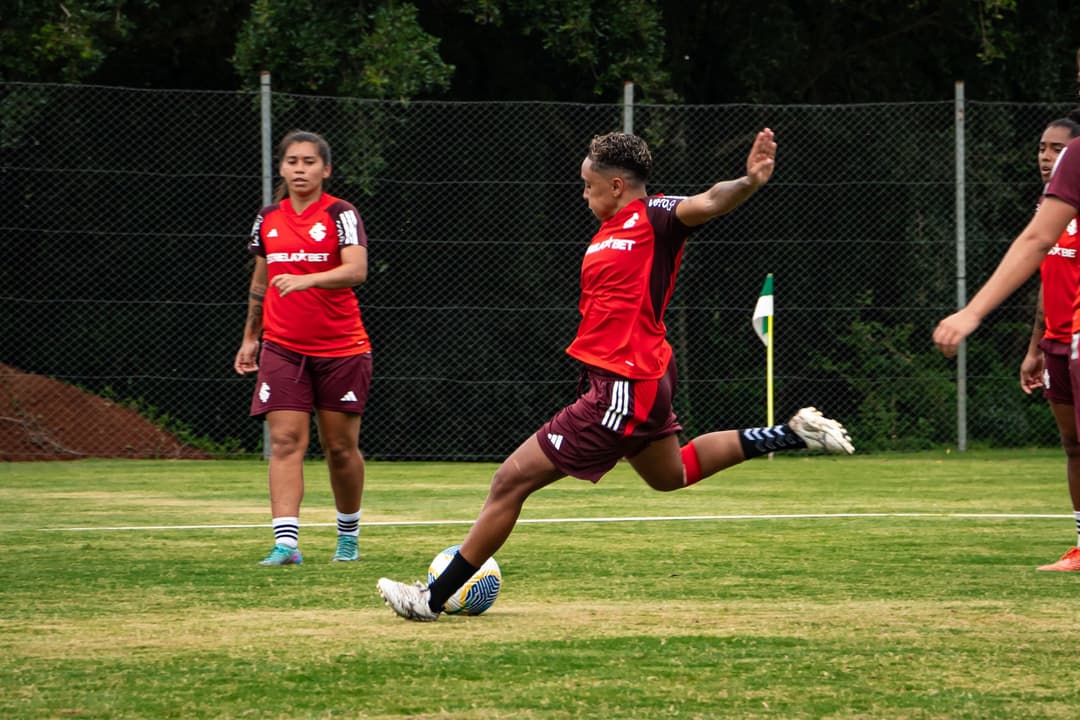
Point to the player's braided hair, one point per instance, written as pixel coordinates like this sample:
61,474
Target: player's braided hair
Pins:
620,150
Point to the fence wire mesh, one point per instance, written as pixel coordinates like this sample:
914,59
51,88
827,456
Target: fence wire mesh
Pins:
126,271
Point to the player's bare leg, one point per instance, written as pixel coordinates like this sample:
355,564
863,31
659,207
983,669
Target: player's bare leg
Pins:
665,466
523,473
289,436
661,465
339,434
526,470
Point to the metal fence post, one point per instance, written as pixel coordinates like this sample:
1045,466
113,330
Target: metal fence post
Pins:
961,268
628,107
267,186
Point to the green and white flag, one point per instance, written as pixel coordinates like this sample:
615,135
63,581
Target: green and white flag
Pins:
763,311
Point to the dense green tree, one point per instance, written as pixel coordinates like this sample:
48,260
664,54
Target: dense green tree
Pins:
68,42
599,44
784,51
697,51
373,50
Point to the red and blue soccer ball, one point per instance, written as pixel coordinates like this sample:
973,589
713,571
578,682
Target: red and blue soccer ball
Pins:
476,595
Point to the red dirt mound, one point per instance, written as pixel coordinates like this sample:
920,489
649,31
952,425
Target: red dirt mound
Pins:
44,419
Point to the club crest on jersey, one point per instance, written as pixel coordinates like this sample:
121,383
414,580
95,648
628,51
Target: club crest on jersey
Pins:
1071,227
317,232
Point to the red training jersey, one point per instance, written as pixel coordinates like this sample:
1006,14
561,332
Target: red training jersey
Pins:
317,321
1065,186
627,278
1060,273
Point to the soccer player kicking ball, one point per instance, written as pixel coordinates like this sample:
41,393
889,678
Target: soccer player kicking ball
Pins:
627,278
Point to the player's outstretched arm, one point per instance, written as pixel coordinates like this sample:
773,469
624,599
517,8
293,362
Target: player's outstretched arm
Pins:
1019,263
723,197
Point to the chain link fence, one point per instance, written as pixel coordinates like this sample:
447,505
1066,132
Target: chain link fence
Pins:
125,267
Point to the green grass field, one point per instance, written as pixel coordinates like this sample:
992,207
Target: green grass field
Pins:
890,586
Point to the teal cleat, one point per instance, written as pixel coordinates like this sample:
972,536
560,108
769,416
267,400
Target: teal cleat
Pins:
347,550
283,555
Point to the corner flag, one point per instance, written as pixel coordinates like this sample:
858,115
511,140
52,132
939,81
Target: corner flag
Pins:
763,311
763,326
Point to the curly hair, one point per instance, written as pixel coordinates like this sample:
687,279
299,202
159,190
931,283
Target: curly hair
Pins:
622,151
1071,122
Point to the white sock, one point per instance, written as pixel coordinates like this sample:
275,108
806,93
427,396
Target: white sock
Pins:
1076,514
349,523
286,531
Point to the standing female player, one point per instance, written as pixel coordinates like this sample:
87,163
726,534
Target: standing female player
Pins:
1046,364
627,277
310,250
1057,212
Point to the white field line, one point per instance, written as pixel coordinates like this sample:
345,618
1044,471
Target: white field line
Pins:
547,521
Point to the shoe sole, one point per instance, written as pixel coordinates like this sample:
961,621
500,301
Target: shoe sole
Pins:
294,560
1054,568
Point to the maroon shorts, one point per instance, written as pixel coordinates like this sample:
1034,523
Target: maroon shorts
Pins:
1057,386
615,418
289,380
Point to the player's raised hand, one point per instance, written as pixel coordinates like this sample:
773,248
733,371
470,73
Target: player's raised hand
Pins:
762,158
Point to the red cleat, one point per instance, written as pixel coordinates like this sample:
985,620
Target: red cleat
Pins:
1069,562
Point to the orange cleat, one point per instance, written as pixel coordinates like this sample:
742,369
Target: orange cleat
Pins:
1069,562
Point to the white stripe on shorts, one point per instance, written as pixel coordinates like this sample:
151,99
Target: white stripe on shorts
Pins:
620,406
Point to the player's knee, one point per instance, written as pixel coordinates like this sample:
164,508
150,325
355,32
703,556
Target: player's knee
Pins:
284,444
1071,445
340,453
507,484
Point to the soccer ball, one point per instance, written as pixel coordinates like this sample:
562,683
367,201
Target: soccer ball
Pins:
476,595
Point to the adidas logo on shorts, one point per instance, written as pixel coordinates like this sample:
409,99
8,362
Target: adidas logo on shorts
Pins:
556,440
349,397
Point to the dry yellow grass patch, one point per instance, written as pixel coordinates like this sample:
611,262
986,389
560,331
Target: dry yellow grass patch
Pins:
197,631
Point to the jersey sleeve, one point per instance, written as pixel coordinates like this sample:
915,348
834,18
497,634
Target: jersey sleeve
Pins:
1065,183
670,230
350,227
255,241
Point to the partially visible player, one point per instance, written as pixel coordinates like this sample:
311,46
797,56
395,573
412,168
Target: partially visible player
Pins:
627,278
1046,363
310,250
1056,212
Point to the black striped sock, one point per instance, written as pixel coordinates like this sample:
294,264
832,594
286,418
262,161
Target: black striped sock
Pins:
348,523
286,531
760,441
